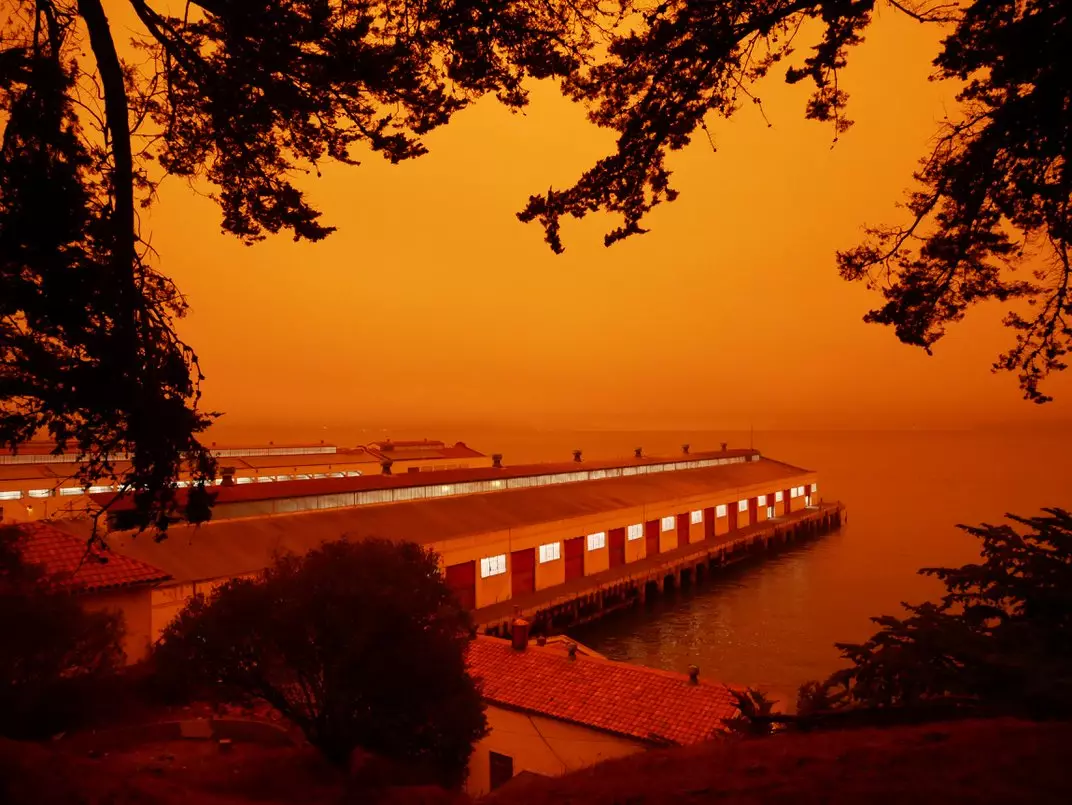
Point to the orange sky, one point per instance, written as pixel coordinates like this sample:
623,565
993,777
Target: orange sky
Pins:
432,302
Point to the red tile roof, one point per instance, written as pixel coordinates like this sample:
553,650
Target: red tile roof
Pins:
64,557
630,700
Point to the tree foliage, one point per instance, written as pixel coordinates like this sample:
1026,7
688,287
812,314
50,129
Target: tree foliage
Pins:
53,654
243,95
360,644
999,640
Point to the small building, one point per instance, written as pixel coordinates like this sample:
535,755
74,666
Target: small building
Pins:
553,709
102,579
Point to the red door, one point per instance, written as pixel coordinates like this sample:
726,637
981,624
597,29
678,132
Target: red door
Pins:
462,581
522,572
617,547
709,523
785,500
733,515
753,511
682,530
574,549
651,537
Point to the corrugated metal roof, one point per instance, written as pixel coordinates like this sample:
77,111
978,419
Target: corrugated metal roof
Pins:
643,703
335,486
245,545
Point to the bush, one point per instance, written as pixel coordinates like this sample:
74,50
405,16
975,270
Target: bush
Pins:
54,656
360,644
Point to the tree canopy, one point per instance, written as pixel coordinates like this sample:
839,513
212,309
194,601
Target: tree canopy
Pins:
360,644
245,94
999,640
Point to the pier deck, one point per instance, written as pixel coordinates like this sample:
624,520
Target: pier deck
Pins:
590,597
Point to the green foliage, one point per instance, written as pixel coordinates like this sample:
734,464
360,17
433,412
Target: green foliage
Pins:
1000,639
755,714
54,655
360,644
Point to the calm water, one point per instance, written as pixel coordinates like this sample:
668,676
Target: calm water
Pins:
774,623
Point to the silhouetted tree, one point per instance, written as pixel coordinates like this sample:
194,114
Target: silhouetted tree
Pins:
1000,639
360,644
754,714
993,195
242,94
54,654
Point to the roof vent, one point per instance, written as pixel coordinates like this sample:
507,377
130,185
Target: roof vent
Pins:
638,452
386,464
685,449
541,641
571,650
576,455
725,446
496,460
694,675
519,634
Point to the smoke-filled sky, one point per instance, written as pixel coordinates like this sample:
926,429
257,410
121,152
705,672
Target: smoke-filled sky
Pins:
433,303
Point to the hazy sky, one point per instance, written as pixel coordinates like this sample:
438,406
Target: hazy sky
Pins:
433,302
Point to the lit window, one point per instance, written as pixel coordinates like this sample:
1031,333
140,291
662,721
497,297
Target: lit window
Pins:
742,505
635,531
13,494
779,497
762,501
550,552
814,488
721,511
668,523
40,493
493,566
794,492
71,490
97,490
696,517
597,540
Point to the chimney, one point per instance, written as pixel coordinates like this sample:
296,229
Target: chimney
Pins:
576,455
519,634
571,650
638,452
685,449
694,675
541,641
496,460
227,476
725,446
386,464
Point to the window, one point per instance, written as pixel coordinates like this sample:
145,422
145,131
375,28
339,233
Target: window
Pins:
597,540
493,565
550,552
814,488
721,511
501,768
762,501
696,517
635,531
98,490
71,490
10,494
40,493
668,523
742,505
779,497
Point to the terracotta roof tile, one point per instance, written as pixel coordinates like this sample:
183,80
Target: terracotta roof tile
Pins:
629,700
64,557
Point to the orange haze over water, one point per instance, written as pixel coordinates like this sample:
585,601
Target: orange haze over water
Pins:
433,302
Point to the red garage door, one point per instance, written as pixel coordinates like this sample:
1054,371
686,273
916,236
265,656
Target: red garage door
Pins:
709,523
651,537
682,530
574,549
785,500
753,511
522,572
617,546
462,581
733,515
